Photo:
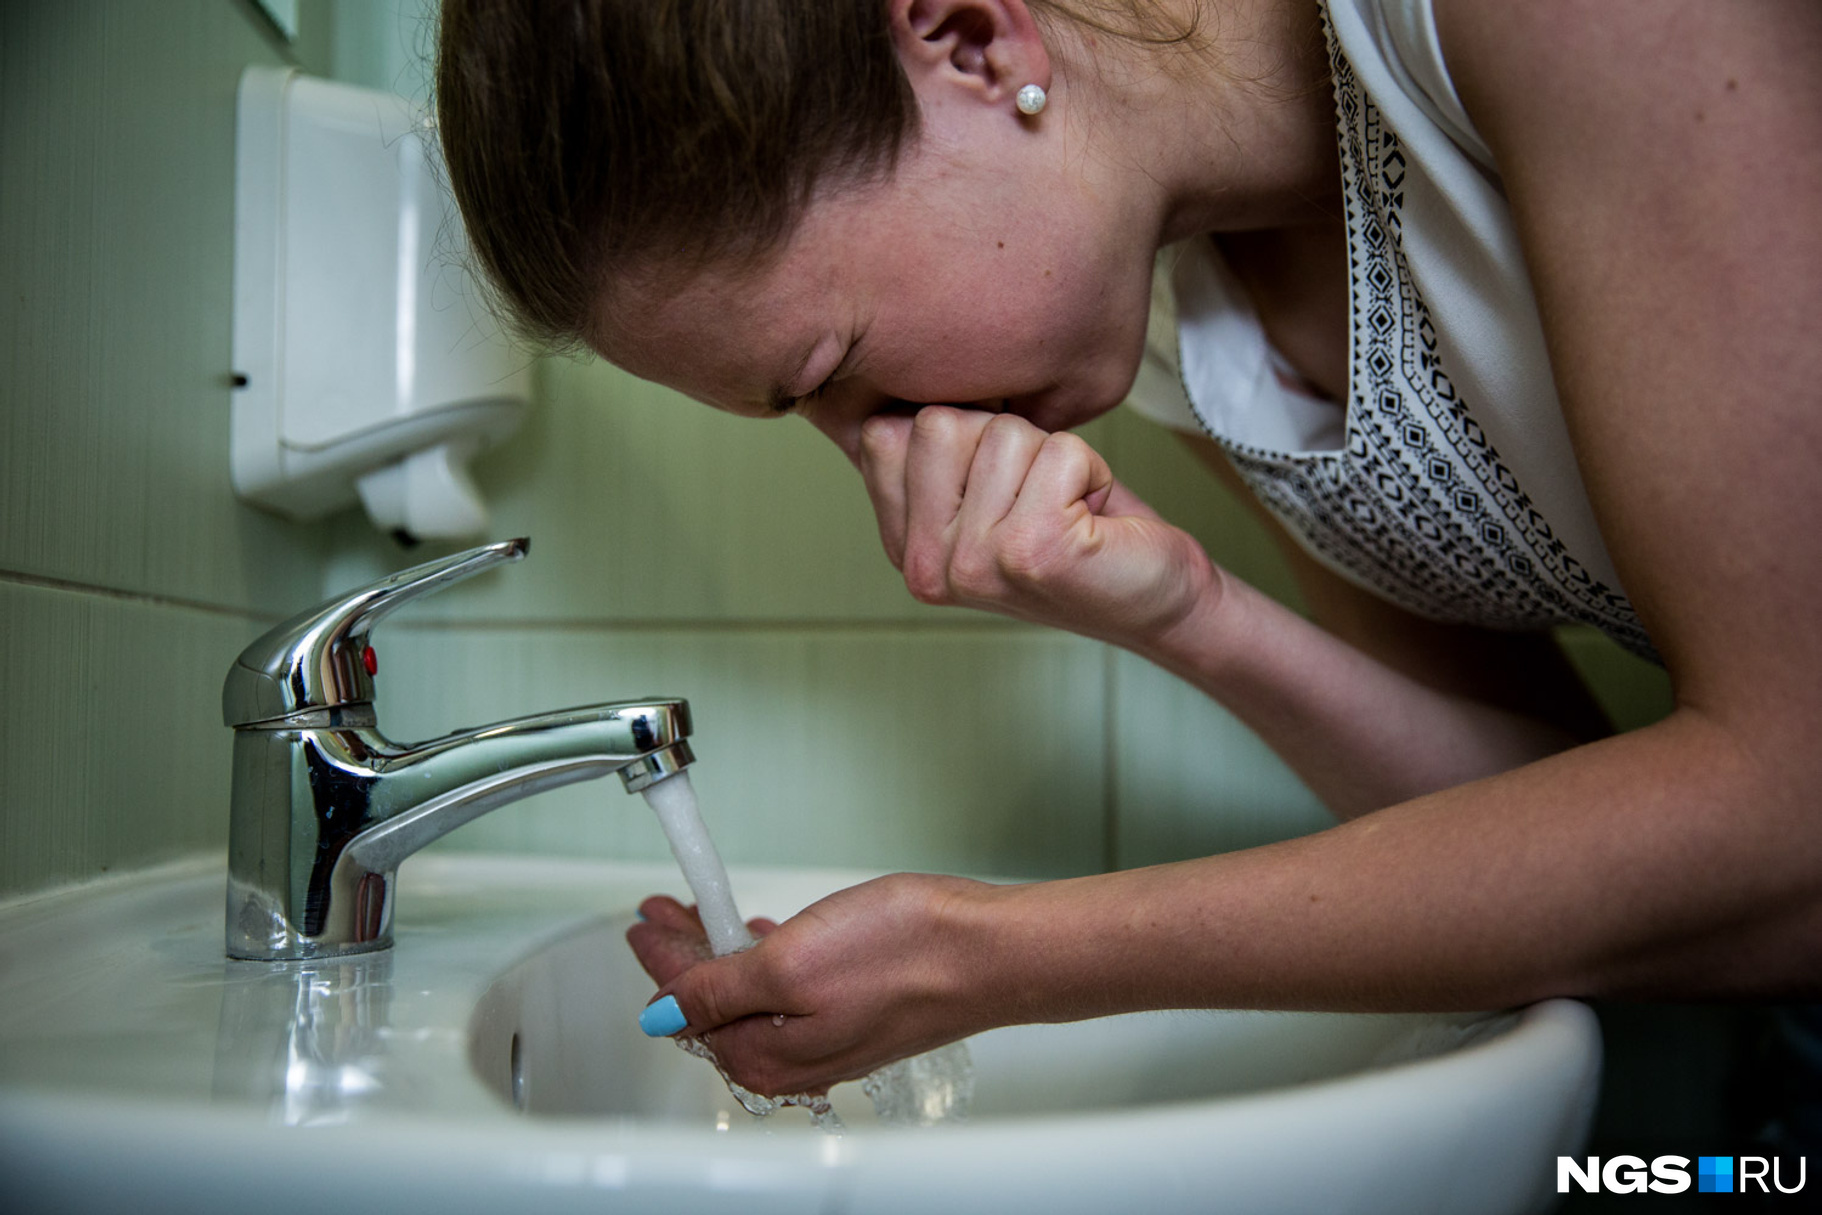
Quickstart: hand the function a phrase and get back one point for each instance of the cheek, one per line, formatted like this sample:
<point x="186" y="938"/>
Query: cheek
<point x="986" y="346"/>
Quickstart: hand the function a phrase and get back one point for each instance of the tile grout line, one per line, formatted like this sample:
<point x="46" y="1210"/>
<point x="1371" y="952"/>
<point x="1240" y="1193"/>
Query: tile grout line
<point x="984" y="626"/>
<point x="69" y="586"/>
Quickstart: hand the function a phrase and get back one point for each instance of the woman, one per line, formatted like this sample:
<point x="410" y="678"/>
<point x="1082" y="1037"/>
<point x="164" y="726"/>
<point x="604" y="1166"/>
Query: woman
<point x="1543" y="349"/>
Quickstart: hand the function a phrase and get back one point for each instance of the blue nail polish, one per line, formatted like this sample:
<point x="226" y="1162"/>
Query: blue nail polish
<point x="662" y="1018"/>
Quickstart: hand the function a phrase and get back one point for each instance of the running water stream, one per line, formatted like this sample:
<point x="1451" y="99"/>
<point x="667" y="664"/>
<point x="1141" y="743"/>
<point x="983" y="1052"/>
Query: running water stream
<point x="919" y="1091"/>
<point x="673" y="800"/>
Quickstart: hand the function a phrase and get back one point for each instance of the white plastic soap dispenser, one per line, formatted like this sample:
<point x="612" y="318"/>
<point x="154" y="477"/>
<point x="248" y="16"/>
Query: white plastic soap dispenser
<point x="366" y="365"/>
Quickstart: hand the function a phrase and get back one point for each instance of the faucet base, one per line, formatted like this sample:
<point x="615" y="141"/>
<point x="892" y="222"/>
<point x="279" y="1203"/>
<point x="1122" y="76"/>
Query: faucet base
<point x="259" y="931"/>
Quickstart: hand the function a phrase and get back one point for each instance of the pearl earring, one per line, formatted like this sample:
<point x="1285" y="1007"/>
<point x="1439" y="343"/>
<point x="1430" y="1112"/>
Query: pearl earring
<point x="1031" y="99"/>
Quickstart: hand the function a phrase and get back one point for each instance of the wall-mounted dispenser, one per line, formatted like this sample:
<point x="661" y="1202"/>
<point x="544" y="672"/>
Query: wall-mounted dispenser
<point x="366" y="366"/>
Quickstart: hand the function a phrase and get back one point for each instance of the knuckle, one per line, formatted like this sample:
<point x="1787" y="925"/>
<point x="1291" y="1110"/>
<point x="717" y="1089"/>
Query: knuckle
<point x="1004" y="427"/>
<point x="1024" y="558"/>
<point x="1067" y="445"/>
<point x="702" y="1008"/>
<point x="925" y="576"/>
<point x="876" y="437"/>
<point x="974" y="574"/>
<point x="935" y="421"/>
<point x="784" y="977"/>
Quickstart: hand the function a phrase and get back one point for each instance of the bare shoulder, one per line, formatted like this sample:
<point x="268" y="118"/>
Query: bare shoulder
<point x="1663" y="159"/>
<point x="1577" y="66"/>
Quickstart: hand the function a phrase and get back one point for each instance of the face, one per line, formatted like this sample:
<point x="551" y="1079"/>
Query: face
<point x="970" y="278"/>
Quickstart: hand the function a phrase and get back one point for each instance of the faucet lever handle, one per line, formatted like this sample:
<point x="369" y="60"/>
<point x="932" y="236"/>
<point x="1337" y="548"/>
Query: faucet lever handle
<point x="317" y="660"/>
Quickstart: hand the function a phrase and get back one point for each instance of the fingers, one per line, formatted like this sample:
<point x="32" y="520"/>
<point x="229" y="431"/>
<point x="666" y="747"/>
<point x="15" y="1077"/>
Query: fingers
<point x="988" y="511"/>
<point x="885" y="440"/>
<point x="1065" y="470"/>
<point x="1123" y="503"/>
<point x="940" y="474"/>
<point x="918" y="469"/>
<point x="668" y="940"/>
<point x="1001" y="460"/>
<point x="941" y="477"/>
<point x="713" y="994"/>
<point x="666" y="912"/>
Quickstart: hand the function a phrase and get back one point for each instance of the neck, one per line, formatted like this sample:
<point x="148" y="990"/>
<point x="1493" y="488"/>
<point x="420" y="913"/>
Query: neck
<point x="1236" y="134"/>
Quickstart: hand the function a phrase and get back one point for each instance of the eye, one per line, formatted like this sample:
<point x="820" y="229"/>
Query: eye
<point x="782" y="404"/>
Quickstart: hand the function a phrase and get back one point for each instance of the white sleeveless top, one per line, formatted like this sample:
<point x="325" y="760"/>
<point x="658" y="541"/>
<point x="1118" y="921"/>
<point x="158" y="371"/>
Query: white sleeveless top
<point x="1446" y="483"/>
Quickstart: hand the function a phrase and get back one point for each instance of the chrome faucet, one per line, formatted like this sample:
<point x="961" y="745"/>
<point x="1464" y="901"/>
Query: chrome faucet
<point x="325" y="807"/>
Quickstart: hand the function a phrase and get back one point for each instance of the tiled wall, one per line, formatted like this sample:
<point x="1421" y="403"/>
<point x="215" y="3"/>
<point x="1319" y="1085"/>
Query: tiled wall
<point x="129" y="575"/>
<point x="675" y="550"/>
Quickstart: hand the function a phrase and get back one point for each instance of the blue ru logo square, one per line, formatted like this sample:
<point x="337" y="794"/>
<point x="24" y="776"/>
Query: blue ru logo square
<point x="1714" y="1174"/>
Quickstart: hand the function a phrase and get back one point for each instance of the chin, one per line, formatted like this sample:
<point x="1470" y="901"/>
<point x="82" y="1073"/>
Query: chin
<point x="1053" y="416"/>
<point x="1066" y="409"/>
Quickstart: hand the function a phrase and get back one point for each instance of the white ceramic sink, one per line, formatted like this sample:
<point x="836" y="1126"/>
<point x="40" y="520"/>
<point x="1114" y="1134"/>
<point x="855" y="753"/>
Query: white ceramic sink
<point x="492" y="1061"/>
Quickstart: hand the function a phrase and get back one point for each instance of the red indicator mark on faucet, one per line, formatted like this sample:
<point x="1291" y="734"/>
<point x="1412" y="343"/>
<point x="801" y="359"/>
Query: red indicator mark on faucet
<point x="370" y="660"/>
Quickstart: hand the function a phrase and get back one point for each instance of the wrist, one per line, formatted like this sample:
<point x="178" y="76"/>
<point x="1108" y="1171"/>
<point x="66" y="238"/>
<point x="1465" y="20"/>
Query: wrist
<point x="1195" y="641"/>
<point x="992" y="940"/>
<point x="1032" y="952"/>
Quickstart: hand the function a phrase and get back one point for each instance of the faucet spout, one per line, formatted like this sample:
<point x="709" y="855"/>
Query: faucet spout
<point x="424" y="792"/>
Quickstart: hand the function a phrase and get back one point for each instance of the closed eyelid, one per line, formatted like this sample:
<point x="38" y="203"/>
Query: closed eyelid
<point x="783" y="402"/>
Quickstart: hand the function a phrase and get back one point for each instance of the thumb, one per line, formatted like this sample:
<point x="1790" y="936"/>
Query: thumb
<point x="703" y="998"/>
<point x="1121" y="502"/>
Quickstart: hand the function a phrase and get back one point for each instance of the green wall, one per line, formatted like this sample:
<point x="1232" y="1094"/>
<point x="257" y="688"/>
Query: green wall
<point x="129" y="575"/>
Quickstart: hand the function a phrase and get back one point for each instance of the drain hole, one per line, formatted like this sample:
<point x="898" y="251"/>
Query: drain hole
<point x="518" y="1074"/>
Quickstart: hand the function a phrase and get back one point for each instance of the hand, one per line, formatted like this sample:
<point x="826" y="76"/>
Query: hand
<point x="864" y="977"/>
<point x="985" y="510"/>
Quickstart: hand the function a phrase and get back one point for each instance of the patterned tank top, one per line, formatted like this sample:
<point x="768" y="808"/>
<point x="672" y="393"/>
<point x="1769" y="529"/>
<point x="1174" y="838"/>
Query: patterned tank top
<point x="1446" y="482"/>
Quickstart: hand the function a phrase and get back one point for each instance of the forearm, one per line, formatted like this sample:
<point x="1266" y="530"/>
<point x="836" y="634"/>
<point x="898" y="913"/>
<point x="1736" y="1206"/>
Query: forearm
<point x="1358" y="732"/>
<point x="1615" y="869"/>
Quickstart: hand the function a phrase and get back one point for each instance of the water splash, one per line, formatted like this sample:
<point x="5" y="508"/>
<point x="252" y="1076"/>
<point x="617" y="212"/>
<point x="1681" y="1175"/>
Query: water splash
<point x="822" y="1114"/>
<point x="925" y="1089"/>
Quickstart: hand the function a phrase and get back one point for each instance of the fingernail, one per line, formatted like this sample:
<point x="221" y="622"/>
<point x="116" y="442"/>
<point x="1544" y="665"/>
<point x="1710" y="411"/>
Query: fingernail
<point x="662" y="1018"/>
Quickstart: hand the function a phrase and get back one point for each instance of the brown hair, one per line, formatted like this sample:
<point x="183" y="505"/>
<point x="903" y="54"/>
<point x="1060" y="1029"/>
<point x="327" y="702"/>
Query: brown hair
<point x="581" y="133"/>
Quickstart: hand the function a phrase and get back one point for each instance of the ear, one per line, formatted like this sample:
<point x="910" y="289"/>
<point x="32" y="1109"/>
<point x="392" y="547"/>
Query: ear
<point x="988" y="49"/>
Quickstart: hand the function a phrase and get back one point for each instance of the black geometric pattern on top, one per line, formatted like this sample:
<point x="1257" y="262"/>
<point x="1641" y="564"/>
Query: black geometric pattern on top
<point x="1418" y="505"/>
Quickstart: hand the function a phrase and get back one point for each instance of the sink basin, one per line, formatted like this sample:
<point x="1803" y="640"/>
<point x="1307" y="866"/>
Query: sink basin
<point x="492" y="1061"/>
